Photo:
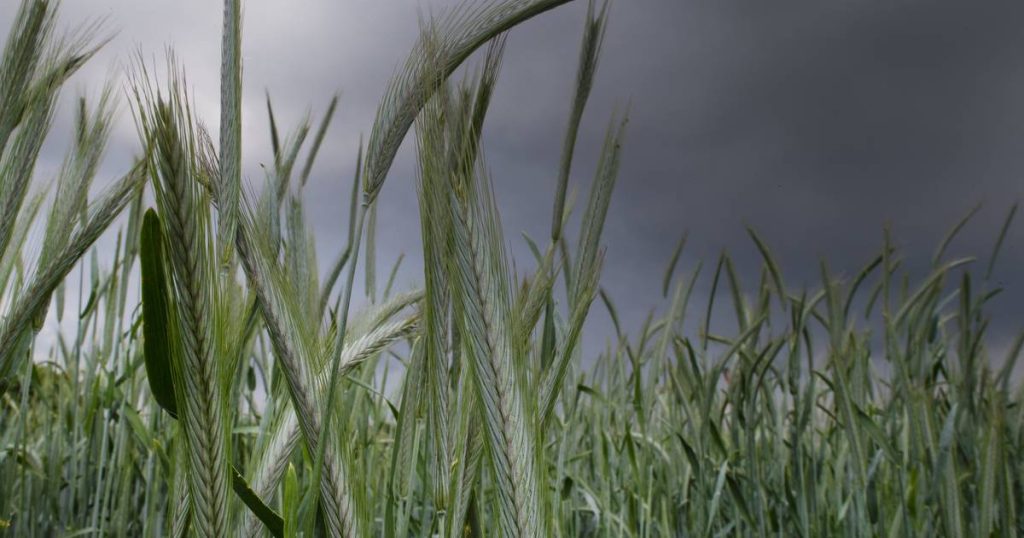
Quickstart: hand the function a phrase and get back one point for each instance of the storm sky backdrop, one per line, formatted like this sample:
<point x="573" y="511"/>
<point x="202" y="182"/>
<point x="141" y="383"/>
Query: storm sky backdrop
<point x="816" y="123"/>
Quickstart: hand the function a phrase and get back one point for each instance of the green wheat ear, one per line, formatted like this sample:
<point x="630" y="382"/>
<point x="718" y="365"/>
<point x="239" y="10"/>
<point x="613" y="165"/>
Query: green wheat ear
<point x="159" y="331"/>
<point x="440" y="51"/>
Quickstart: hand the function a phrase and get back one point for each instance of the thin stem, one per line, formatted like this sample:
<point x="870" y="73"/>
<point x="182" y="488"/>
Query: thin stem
<point x="346" y="301"/>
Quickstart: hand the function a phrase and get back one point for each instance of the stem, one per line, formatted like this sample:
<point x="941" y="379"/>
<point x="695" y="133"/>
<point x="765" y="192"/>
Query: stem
<point x="336" y="358"/>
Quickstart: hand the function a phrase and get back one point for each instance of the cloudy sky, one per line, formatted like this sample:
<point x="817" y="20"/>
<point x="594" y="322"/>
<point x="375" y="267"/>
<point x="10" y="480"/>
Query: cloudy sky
<point x="815" y="122"/>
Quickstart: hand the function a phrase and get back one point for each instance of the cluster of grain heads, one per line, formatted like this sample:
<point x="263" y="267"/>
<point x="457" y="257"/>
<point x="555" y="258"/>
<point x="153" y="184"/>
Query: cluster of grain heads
<point x="209" y="317"/>
<point x="476" y="361"/>
<point x="239" y="395"/>
<point x="198" y="328"/>
<point x="36" y="64"/>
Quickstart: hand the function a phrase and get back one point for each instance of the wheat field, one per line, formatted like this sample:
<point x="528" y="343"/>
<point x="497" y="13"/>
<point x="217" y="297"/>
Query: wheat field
<point x="238" y="392"/>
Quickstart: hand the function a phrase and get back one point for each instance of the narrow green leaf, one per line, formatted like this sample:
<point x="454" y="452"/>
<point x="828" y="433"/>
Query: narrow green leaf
<point x="672" y="265"/>
<point x="155" y="313"/>
<point x="271" y="519"/>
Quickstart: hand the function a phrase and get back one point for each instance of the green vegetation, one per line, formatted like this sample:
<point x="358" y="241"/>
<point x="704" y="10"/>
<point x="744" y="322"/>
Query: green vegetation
<point x="237" y="393"/>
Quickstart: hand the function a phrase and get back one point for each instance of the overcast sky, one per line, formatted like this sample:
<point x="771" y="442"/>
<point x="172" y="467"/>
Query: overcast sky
<point x="815" y="122"/>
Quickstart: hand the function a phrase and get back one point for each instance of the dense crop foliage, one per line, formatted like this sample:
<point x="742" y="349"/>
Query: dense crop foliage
<point x="238" y="394"/>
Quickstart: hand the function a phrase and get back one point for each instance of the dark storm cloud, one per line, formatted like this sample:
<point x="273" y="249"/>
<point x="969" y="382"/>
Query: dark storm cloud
<point x="814" y="122"/>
